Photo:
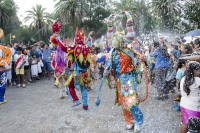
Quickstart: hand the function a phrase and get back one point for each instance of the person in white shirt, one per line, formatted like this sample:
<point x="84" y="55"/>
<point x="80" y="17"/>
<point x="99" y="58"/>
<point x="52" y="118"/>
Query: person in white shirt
<point x="190" y="92"/>
<point x="19" y="66"/>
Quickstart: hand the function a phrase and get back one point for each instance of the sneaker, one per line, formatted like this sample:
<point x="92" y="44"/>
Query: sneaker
<point x="165" y="97"/>
<point x="62" y="97"/>
<point x="160" y="97"/>
<point x="18" y="85"/>
<point x="76" y="103"/>
<point x="3" y="102"/>
<point x="10" y="85"/>
<point x="129" y="127"/>
<point x="137" y="129"/>
<point x="89" y="89"/>
<point x="85" y="107"/>
<point x="23" y="85"/>
<point x="14" y="83"/>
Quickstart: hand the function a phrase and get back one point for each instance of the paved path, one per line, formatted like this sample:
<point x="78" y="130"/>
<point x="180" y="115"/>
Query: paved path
<point x="37" y="109"/>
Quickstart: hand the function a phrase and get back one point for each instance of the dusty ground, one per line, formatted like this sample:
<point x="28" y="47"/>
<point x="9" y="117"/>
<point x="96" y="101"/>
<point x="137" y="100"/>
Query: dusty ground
<point x="37" y="109"/>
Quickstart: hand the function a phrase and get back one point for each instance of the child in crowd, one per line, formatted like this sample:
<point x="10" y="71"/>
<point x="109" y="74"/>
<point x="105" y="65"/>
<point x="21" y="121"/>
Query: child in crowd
<point x="179" y="75"/>
<point x="34" y="67"/>
<point x="19" y="67"/>
<point x="26" y="66"/>
<point x="40" y="65"/>
<point x="190" y="94"/>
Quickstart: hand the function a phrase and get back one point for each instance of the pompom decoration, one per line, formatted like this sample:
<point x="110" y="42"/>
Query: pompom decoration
<point x="56" y="27"/>
<point x="79" y="38"/>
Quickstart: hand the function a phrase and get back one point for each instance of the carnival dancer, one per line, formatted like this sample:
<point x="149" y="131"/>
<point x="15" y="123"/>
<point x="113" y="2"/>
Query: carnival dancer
<point x="121" y="71"/>
<point x="5" y="58"/>
<point x="59" y="65"/>
<point x="59" y="60"/>
<point x="81" y="78"/>
<point x="79" y="55"/>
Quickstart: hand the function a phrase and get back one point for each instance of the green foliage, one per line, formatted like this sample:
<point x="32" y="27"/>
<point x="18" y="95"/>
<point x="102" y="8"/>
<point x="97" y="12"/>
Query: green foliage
<point x="166" y="11"/>
<point x="8" y="16"/>
<point x="40" y="20"/>
<point x="126" y="5"/>
<point x="72" y="8"/>
<point x="192" y="11"/>
<point x="83" y="14"/>
<point x="90" y="15"/>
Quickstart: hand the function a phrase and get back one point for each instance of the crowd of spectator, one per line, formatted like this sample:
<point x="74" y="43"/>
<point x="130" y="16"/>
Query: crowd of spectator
<point x="29" y="63"/>
<point x="175" y="68"/>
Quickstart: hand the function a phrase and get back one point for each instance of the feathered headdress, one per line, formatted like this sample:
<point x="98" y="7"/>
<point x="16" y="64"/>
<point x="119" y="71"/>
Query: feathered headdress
<point x="56" y="26"/>
<point x="79" y="37"/>
<point x="55" y="29"/>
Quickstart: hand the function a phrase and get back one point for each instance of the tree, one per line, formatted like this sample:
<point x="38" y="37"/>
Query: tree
<point x="192" y="11"/>
<point x="125" y="5"/>
<point x="39" y="20"/>
<point x="8" y="11"/>
<point x="144" y="21"/>
<point x="96" y="24"/>
<point x="167" y="11"/>
<point x="73" y="8"/>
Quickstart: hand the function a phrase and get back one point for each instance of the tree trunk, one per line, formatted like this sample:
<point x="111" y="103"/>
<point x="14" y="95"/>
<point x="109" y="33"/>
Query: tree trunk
<point x="81" y="14"/>
<point x="73" y="22"/>
<point x="90" y="14"/>
<point x="40" y="30"/>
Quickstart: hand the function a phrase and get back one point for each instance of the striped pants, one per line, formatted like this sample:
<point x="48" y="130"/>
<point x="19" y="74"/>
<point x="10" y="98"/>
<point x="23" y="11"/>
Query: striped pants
<point x="160" y="75"/>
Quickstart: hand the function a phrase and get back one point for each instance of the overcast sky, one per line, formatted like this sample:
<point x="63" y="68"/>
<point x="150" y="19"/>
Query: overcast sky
<point x="25" y="5"/>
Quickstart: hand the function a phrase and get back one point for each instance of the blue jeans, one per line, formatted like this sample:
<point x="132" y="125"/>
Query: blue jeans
<point x="47" y="66"/>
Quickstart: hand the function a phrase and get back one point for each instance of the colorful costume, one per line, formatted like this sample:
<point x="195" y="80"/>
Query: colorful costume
<point x="59" y="63"/>
<point x="80" y="58"/>
<point x="5" y="57"/>
<point x="121" y="71"/>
